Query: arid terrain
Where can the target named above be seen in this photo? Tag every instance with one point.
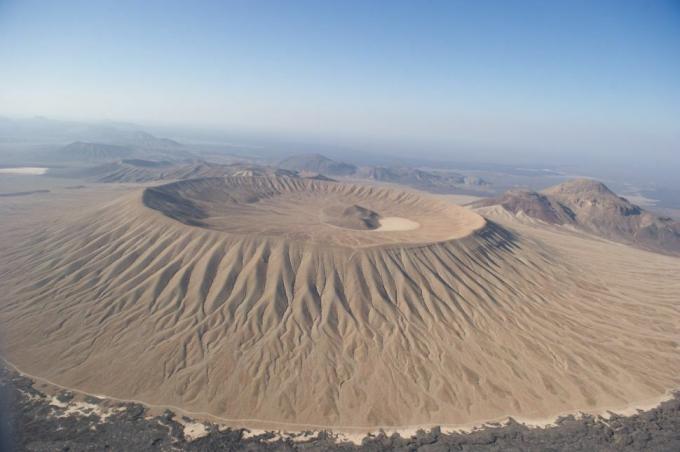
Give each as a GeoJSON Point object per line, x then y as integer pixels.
{"type": "Point", "coordinates": [275, 302]}
{"type": "Point", "coordinates": [441, 226]}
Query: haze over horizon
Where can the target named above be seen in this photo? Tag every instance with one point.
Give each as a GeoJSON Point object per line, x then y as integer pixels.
{"type": "Point", "coordinates": [585, 80]}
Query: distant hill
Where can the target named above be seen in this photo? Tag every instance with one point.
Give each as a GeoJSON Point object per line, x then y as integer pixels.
{"type": "Point", "coordinates": [145, 140]}
{"type": "Point", "coordinates": [80, 151]}
{"type": "Point", "coordinates": [535, 205]}
{"type": "Point", "coordinates": [139, 170]}
{"type": "Point", "coordinates": [591, 206]}
{"type": "Point", "coordinates": [41, 129]}
{"type": "Point", "coordinates": [83, 142]}
{"type": "Point", "coordinates": [137, 145]}
{"type": "Point", "coordinates": [317, 163]}
{"type": "Point", "coordinates": [432, 181]}
{"type": "Point", "coordinates": [424, 180]}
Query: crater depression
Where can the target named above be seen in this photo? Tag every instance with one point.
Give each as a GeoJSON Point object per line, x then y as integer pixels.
{"type": "Point", "coordinates": [313, 211]}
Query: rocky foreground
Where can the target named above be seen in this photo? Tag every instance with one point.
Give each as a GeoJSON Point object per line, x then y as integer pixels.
{"type": "Point", "coordinates": [34, 421]}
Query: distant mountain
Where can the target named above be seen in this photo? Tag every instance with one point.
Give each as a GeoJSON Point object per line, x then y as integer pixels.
{"type": "Point", "coordinates": [95, 141]}
{"type": "Point", "coordinates": [80, 151]}
{"type": "Point", "coordinates": [591, 206]}
{"type": "Point", "coordinates": [139, 170]}
{"type": "Point", "coordinates": [138, 145]}
{"type": "Point", "coordinates": [425, 180]}
{"type": "Point", "coordinates": [438, 182]}
{"type": "Point", "coordinates": [319, 164]}
{"type": "Point", "coordinates": [41, 129]}
{"type": "Point", "coordinates": [145, 140]}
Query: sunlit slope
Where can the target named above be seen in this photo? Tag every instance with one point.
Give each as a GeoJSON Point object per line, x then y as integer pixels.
{"type": "Point", "coordinates": [458, 320]}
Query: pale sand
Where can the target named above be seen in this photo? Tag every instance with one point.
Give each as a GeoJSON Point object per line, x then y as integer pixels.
{"type": "Point", "coordinates": [193, 430]}
{"type": "Point", "coordinates": [28, 170]}
{"type": "Point", "coordinates": [391, 224]}
{"type": "Point", "coordinates": [281, 327]}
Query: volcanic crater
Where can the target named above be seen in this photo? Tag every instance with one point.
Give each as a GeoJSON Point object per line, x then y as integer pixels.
{"type": "Point", "coordinates": [318, 212]}
{"type": "Point", "coordinates": [280, 302]}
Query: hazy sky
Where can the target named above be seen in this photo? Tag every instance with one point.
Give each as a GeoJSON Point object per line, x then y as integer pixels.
{"type": "Point", "coordinates": [533, 76]}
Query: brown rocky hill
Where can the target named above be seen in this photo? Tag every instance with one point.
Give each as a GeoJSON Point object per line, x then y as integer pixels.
{"type": "Point", "coordinates": [591, 206]}
{"type": "Point", "coordinates": [533, 204]}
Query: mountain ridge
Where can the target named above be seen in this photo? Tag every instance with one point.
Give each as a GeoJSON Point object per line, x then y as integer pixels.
{"type": "Point", "coordinates": [591, 206]}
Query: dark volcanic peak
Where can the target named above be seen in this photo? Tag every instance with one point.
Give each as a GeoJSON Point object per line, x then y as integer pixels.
{"type": "Point", "coordinates": [592, 199]}
{"type": "Point", "coordinates": [592, 207]}
{"type": "Point", "coordinates": [581, 186]}
{"type": "Point", "coordinates": [533, 204]}
{"type": "Point", "coordinates": [317, 163]}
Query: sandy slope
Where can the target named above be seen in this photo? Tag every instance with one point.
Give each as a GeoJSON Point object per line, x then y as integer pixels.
{"type": "Point", "coordinates": [414, 328]}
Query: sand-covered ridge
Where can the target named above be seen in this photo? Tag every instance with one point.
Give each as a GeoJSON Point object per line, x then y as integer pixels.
{"type": "Point", "coordinates": [237, 298]}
